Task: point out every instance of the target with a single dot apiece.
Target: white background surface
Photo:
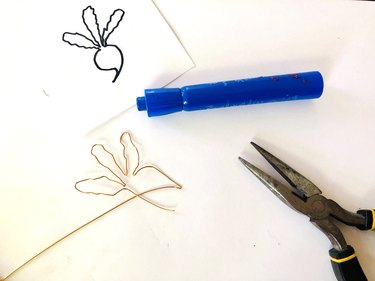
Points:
(227, 226)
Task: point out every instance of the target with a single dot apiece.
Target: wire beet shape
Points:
(119, 183)
(119, 174)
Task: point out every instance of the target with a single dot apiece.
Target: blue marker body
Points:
(307, 85)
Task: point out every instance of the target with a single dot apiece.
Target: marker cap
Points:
(160, 101)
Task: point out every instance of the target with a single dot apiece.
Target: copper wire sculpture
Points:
(124, 173)
(121, 183)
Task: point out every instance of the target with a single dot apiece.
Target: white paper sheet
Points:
(136, 41)
(52, 93)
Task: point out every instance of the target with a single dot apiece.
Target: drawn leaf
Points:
(113, 23)
(91, 22)
(79, 40)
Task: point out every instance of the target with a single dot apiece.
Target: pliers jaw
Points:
(300, 184)
(291, 197)
(305, 197)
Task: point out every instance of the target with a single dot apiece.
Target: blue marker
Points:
(298, 86)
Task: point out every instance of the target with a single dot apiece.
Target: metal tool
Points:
(305, 197)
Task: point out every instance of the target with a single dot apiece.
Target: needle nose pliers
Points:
(305, 197)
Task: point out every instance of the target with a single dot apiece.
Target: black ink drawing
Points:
(108, 56)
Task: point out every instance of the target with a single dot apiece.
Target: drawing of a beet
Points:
(108, 56)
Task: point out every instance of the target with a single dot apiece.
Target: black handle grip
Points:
(369, 219)
(346, 265)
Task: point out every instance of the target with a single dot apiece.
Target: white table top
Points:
(227, 225)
